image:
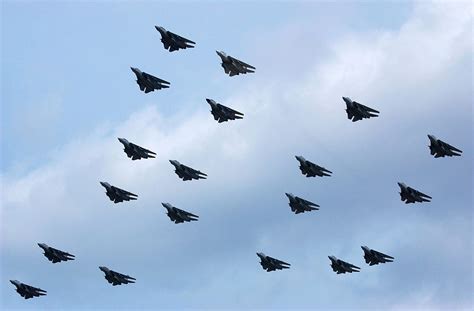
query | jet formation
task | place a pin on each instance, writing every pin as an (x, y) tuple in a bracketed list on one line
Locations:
[(440, 149), (136, 152), (309, 169), (340, 266), (222, 113), (233, 66), (178, 215), (27, 291), (299, 205), (373, 257), (410, 195), (116, 278), (117, 195), (271, 264), (185, 172), (173, 42), (357, 112), (149, 83), (55, 255)]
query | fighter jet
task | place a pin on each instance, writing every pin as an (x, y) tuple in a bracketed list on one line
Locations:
[(271, 264), (410, 195), (439, 148), (116, 278), (185, 172), (136, 152), (178, 215), (116, 194), (373, 257), (222, 113), (233, 66), (340, 266), (149, 83), (27, 291), (173, 42), (55, 255), (299, 205), (356, 111), (310, 169)]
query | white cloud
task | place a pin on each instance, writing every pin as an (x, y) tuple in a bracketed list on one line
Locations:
[(250, 164)]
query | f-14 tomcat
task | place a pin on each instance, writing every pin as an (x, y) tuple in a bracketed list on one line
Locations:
[(356, 111), (439, 148), (116, 278), (27, 291), (136, 152), (309, 169), (178, 215), (373, 257), (271, 264), (173, 42), (55, 255), (222, 113), (299, 205), (233, 66), (410, 195), (185, 172), (149, 83), (340, 266), (117, 195)]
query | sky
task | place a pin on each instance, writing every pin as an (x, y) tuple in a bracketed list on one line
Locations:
[(67, 93)]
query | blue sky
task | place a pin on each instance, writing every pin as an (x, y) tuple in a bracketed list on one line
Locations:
[(68, 92)]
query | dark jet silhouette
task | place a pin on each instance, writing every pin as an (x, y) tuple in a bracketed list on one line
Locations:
[(309, 169), (117, 195), (178, 215), (222, 113), (136, 152), (410, 195), (373, 257), (173, 42), (185, 172), (149, 83), (299, 205), (233, 66), (116, 278), (356, 111), (439, 148), (27, 291), (55, 255), (340, 266), (271, 264)]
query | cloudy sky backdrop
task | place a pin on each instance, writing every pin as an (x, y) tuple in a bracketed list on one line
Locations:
[(68, 93)]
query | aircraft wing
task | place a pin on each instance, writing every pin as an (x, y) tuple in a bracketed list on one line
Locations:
[(35, 291), (366, 108), (382, 254), (125, 192), (179, 38), (279, 262), (307, 202), (451, 147), (189, 214), (144, 150), (421, 194), (62, 255), (155, 79), (225, 108), (241, 63)]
